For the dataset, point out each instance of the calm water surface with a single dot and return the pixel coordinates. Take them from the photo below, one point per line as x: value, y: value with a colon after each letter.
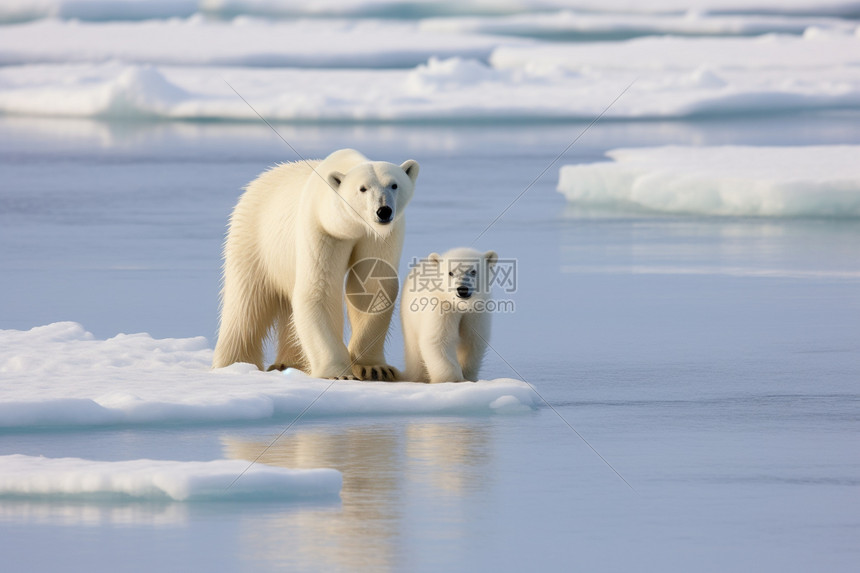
x: 712, y: 363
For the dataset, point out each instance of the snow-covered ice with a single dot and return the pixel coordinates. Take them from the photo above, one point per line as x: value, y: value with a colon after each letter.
x: 817, y: 50
x: 670, y: 77
x: 59, y: 375
x: 30, y: 476
x: 241, y: 42
x: 818, y: 181
x: 39, y: 477
x: 579, y: 26
x: 16, y: 10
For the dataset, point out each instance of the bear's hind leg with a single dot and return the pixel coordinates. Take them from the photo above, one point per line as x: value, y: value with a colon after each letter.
x: 415, y: 369
x: 289, y: 353
x: 245, y: 321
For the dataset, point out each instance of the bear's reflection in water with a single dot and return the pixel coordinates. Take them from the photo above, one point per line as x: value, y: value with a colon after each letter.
x: 440, y: 465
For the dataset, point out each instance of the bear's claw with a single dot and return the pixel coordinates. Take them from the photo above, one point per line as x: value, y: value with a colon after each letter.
x: 378, y: 372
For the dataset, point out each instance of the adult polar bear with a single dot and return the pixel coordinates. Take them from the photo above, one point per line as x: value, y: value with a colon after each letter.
x: 293, y: 235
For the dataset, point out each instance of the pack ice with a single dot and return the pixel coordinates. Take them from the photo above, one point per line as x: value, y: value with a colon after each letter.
x: 73, y: 70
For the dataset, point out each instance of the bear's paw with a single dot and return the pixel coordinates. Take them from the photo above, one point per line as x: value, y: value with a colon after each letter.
x: 375, y: 372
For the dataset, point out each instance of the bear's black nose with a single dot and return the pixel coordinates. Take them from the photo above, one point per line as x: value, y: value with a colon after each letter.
x: 464, y: 291
x: 384, y: 214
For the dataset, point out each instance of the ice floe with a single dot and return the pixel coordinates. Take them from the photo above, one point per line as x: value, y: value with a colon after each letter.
x: 39, y: 477
x: 796, y: 181
x: 59, y: 375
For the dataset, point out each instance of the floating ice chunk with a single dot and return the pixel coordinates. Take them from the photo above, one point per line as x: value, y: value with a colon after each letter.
x: 29, y: 476
x: 508, y: 404
x: 822, y: 181
x: 59, y: 375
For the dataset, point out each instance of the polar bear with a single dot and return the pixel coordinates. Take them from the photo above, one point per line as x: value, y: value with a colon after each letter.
x: 445, y: 316
x: 293, y: 235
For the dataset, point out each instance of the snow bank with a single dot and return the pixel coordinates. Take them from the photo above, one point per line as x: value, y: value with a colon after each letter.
x: 59, y: 375
x: 675, y: 78
x: 242, y: 42
x: 28, y: 476
x: 733, y: 180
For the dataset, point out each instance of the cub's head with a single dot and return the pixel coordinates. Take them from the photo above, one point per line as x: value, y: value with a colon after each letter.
x: 375, y: 193
x: 465, y: 276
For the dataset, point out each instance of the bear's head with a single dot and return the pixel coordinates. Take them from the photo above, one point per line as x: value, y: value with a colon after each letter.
x: 466, y: 277
x: 375, y: 194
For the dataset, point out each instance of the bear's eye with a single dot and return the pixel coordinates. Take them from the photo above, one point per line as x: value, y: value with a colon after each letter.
x: 473, y: 272
x: 363, y: 189
x: 394, y: 185
x: 451, y: 274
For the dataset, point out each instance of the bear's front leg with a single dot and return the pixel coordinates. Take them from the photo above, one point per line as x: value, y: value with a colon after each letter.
x: 369, y: 325
x: 440, y: 358
x: 317, y: 326
x: 474, y: 336
x: 318, y: 311
x: 367, y: 342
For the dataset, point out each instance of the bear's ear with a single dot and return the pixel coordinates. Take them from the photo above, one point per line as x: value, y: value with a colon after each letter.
x: 435, y: 258
x: 491, y: 257
x: 410, y: 166
x: 335, y: 178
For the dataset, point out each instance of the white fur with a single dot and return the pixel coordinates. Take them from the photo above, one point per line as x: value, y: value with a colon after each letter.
x: 293, y: 235
x: 446, y: 336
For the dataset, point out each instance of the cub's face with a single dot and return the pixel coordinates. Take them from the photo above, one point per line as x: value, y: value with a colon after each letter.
x: 466, y: 276
x: 375, y: 194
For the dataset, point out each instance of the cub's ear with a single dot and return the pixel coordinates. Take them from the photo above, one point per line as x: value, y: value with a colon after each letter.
x: 411, y: 168
x: 491, y: 257
x: 435, y: 258
x: 335, y: 178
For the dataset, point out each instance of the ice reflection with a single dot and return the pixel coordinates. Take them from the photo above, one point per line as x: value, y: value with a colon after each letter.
x: 92, y: 514
x: 440, y: 464
x: 735, y: 247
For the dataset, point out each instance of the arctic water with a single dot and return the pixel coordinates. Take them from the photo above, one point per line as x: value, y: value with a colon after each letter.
x: 699, y: 373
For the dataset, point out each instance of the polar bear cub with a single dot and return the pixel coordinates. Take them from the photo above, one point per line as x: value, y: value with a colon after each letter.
x: 443, y: 310
x: 293, y: 235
